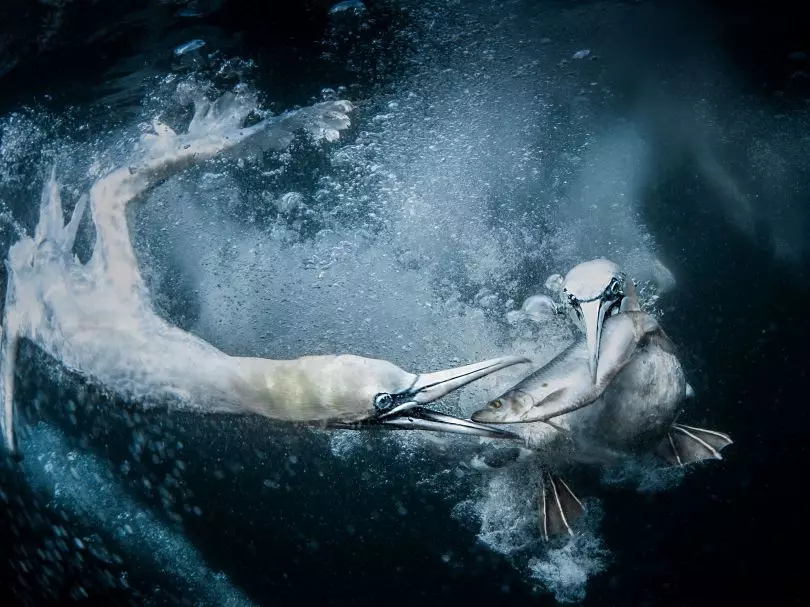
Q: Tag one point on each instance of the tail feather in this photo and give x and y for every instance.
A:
(686, 444)
(73, 225)
(51, 222)
(51, 227)
(559, 507)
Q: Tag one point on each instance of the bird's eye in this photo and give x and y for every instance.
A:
(615, 288)
(383, 401)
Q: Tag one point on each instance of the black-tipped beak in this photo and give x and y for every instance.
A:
(432, 386)
(428, 387)
(419, 418)
(593, 317)
(408, 413)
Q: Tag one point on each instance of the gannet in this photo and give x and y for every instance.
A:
(629, 406)
(97, 318)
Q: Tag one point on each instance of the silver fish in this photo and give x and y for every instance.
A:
(629, 409)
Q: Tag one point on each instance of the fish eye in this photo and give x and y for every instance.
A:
(496, 404)
(383, 401)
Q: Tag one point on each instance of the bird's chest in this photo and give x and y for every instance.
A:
(637, 409)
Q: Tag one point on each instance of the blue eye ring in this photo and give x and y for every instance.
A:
(383, 401)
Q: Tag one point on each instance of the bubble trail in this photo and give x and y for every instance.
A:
(82, 485)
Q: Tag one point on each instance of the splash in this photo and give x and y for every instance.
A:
(462, 188)
(406, 241)
(644, 475)
(96, 317)
(565, 571)
(507, 512)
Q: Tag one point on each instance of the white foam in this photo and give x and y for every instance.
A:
(508, 514)
(565, 571)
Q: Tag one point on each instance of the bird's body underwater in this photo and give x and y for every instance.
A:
(627, 408)
(97, 318)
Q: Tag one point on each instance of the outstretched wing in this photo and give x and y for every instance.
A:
(216, 127)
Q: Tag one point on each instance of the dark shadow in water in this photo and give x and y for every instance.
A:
(315, 535)
(286, 520)
(105, 55)
(740, 318)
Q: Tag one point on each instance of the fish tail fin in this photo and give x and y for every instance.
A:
(559, 507)
(686, 444)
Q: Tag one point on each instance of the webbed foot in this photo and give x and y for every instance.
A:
(559, 507)
(687, 444)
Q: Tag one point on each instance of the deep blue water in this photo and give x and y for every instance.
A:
(728, 533)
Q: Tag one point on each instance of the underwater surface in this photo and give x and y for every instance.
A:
(491, 145)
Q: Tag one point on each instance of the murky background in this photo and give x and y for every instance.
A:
(492, 145)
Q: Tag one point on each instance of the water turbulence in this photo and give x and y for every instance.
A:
(446, 208)
(96, 317)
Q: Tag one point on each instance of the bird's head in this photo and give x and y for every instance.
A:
(591, 292)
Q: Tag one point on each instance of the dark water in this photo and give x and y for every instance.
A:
(730, 533)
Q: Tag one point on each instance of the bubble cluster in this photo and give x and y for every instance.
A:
(425, 237)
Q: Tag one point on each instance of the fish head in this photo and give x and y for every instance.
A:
(523, 403)
(507, 408)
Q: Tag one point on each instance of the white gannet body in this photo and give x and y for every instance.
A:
(97, 318)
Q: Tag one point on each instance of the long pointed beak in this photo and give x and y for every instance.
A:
(593, 316)
(419, 418)
(432, 386)
(410, 415)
